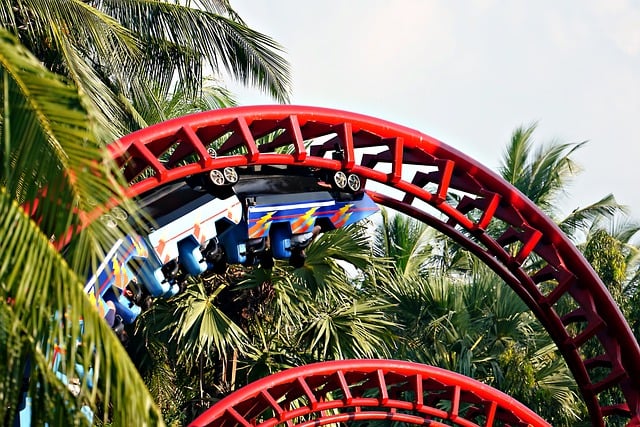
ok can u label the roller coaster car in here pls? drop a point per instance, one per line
(112, 282)
(284, 208)
(181, 239)
(184, 237)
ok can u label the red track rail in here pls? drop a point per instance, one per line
(359, 390)
(424, 178)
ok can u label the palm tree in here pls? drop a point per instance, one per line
(120, 52)
(602, 230)
(55, 171)
(473, 324)
(543, 175)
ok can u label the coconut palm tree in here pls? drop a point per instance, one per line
(54, 172)
(476, 325)
(602, 230)
(543, 175)
(119, 52)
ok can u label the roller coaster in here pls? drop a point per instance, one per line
(248, 185)
(207, 221)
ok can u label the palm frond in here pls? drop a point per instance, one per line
(581, 219)
(202, 327)
(541, 175)
(405, 240)
(347, 329)
(180, 35)
(221, 7)
(154, 106)
(336, 258)
(515, 159)
(54, 163)
(116, 50)
(551, 168)
(48, 305)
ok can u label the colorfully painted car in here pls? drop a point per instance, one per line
(180, 239)
(285, 208)
(245, 216)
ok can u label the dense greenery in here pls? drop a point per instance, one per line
(125, 56)
(48, 137)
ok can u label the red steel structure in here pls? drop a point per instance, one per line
(367, 390)
(422, 177)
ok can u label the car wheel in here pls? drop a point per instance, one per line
(217, 177)
(340, 180)
(119, 214)
(230, 175)
(353, 182)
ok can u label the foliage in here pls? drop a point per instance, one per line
(119, 53)
(156, 106)
(605, 255)
(474, 324)
(406, 242)
(54, 170)
(541, 174)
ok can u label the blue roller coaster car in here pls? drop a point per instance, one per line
(284, 208)
(244, 216)
(180, 239)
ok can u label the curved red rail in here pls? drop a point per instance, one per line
(422, 177)
(358, 390)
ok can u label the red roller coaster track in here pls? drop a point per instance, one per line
(359, 390)
(430, 181)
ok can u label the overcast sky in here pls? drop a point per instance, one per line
(470, 72)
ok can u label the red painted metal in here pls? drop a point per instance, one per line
(422, 177)
(358, 390)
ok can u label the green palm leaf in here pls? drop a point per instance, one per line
(336, 259)
(178, 39)
(405, 240)
(48, 139)
(541, 175)
(580, 220)
(345, 329)
(116, 50)
(203, 328)
(154, 106)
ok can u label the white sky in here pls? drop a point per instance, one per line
(469, 72)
